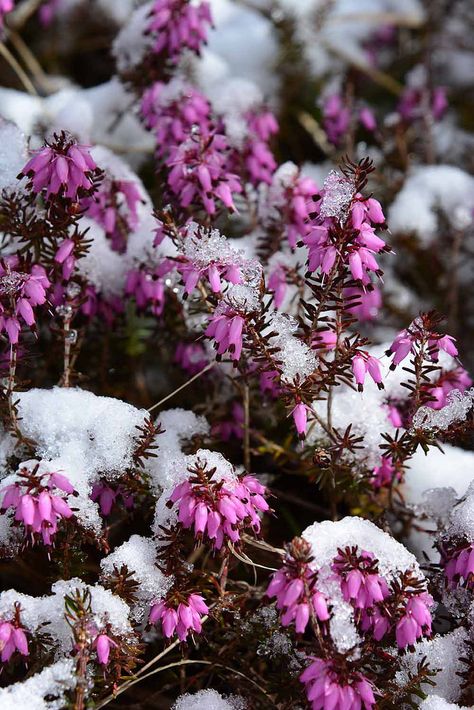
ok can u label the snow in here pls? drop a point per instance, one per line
(13, 153)
(427, 190)
(131, 44)
(325, 538)
(48, 611)
(42, 691)
(443, 653)
(208, 700)
(81, 435)
(139, 555)
(298, 360)
(459, 404)
(434, 702)
(103, 267)
(462, 517)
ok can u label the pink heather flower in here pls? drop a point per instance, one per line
(326, 690)
(412, 103)
(39, 509)
(226, 328)
(360, 582)
(268, 383)
(278, 284)
(256, 153)
(12, 638)
(376, 622)
(114, 206)
(171, 110)
(367, 119)
(232, 428)
(336, 118)
(300, 418)
(291, 197)
(324, 340)
(6, 6)
(147, 285)
(191, 357)
(177, 25)
(199, 175)
(453, 379)
(61, 168)
(358, 253)
(107, 497)
(459, 567)
(103, 644)
(180, 617)
(362, 363)
(367, 303)
(214, 272)
(65, 256)
(415, 622)
(384, 473)
(47, 11)
(219, 510)
(297, 596)
(407, 340)
(20, 292)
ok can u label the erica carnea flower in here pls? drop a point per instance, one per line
(12, 638)
(102, 645)
(171, 110)
(459, 566)
(22, 288)
(415, 622)
(360, 582)
(6, 6)
(37, 504)
(147, 285)
(177, 25)
(107, 497)
(62, 167)
(420, 335)
(295, 588)
(300, 418)
(226, 328)
(336, 118)
(328, 690)
(179, 615)
(219, 509)
(199, 174)
(363, 364)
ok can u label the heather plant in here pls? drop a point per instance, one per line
(236, 446)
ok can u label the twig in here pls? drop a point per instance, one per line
(21, 74)
(186, 384)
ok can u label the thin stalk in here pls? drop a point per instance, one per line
(186, 384)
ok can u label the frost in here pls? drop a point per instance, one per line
(43, 691)
(297, 358)
(428, 190)
(208, 700)
(456, 410)
(434, 702)
(337, 196)
(462, 517)
(205, 247)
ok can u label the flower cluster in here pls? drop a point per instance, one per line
(22, 288)
(327, 690)
(36, 506)
(177, 25)
(62, 167)
(219, 510)
(12, 638)
(180, 616)
(459, 566)
(416, 336)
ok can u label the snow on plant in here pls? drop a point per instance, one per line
(268, 516)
